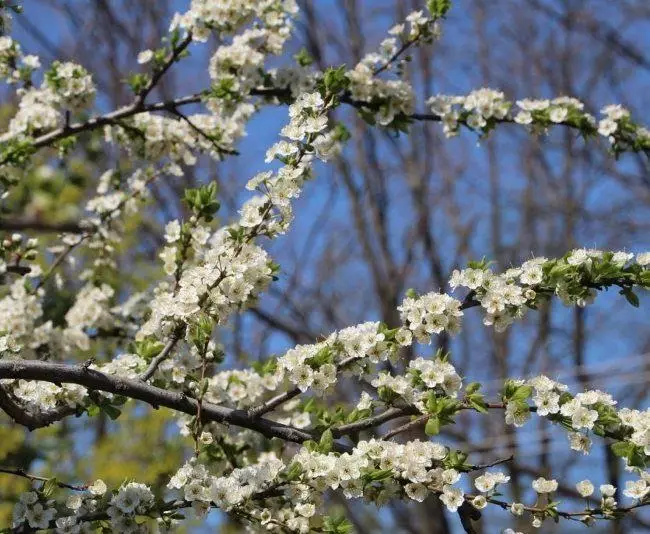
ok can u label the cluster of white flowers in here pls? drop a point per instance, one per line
(613, 114)
(131, 500)
(226, 278)
(505, 297)
(225, 492)
(34, 511)
(315, 366)
(473, 110)
(430, 374)
(639, 422)
(390, 98)
(580, 412)
(158, 137)
(239, 66)
(226, 16)
(37, 111)
(126, 365)
(415, 465)
(20, 312)
(618, 128)
(226, 270)
(607, 502)
(241, 388)
(481, 109)
(431, 314)
(557, 111)
(177, 140)
(14, 66)
(91, 310)
(46, 396)
(72, 85)
(393, 97)
(230, 271)
(114, 198)
(498, 294)
(67, 87)
(542, 485)
(638, 489)
(488, 482)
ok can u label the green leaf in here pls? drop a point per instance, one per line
(202, 201)
(148, 348)
(49, 487)
(111, 411)
(303, 58)
(477, 402)
(621, 448)
(294, 471)
(631, 297)
(432, 428)
(335, 80)
(326, 442)
(337, 525)
(376, 475)
(438, 8)
(522, 393)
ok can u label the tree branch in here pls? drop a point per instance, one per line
(160, 358)
(58, 373)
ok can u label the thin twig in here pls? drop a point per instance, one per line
(34, 478)
(164, 353)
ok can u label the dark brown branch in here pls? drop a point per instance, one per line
(34, 478)
(38, 225)
(23, 415)
(169, 61)
(58, 373)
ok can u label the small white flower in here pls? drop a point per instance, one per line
(98, 487)
(585, 488)
(145, 56)
(542, 485)
(607, 490)
(517, 508)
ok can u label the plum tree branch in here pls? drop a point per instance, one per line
(58, 373)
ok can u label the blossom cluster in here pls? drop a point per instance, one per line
(232, 269)
(482, 109)
(67, 87)
(36, 510)
(14, 66)
(157, 138)
(431, 314)
(390, 98)
(586, 412)
(315, 366)
(19, 316)
(574, 279)
(224, 17)
(422, 376)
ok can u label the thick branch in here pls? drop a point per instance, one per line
(24, 416)
(58, 373)
(38, 225)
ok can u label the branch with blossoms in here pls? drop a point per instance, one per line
(431, 387)
(280, 407)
